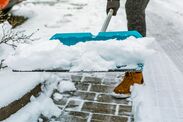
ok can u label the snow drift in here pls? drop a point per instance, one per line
(87, 56)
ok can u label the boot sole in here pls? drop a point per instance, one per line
(120, 96)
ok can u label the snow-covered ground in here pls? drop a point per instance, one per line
(159, 100)
(42, 105)
(165, 23)
(13, 86)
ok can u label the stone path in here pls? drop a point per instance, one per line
(92, 101)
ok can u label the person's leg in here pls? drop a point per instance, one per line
(135, 11)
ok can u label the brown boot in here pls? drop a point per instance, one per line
(123, 89)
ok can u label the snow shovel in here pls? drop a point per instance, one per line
(73, 38)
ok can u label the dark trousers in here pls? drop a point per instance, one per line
(135, 11)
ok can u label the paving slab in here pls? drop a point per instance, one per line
(107, 98)
(82, 87)
(125, 110)
(108, 118)
(85, 95)
(93, 80)
(101, 88)
(99, 108)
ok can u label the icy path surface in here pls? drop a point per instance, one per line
(165, 23)
(161, 99)
(166, 94)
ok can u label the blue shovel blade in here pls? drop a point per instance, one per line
(74, 38)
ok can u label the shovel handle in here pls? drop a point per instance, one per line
(107, 20)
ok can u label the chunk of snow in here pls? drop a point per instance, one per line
(66, 86)
(57, 96)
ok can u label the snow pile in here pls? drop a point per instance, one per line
(66, 86)
(101, 55)
(30, 113)
(14, 85)
(144, 106)
(62, 82)
(57, 96)
(160, 99)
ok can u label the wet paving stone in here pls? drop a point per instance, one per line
(98, 108)
(85, 95)
(67, 118)
(107, 98)
(73, 116)
(70, 118)
(82, 86)
(101, 88)
(61, 102)
(125, 110)
(109, 81)
(73, 105)
(108, 118)
(92, 80)
(79, 114)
